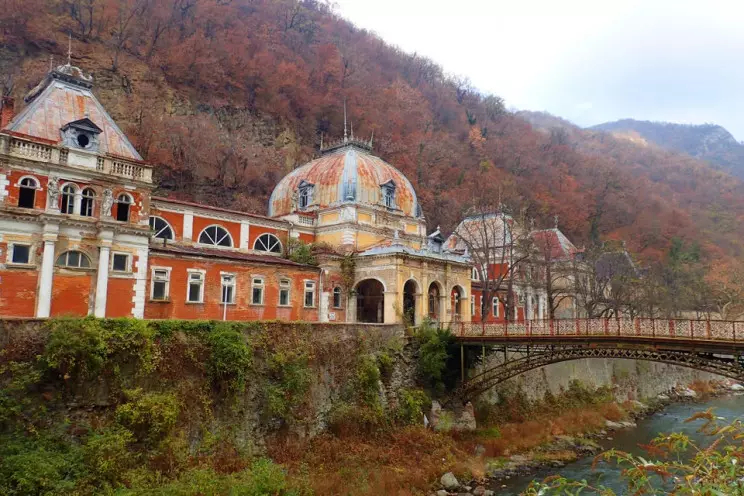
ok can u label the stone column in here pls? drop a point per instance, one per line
(389, 304)
(46, 274)
(105, 238)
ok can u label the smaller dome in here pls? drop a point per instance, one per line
(348, 174)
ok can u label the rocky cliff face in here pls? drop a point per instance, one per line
(707, 141)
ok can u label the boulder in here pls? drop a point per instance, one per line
(688, 393)
(736, 387)
(663, 397)
(441, 492)
(479, 491)
(613, 426)
(449, 482)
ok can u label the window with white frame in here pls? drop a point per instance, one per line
(68, 199)
(472, 306)
(257, 291)
(160, 228)
(337, 297)
(495, 306)
(305, 193)
(120, 262)
(216, 236)
(268, 242)
(195, 293)
(160, 289)
(27, 192)
(475, 275)
(73, 259)
(309, 293)
(19, 253)
(284, 287)
(228, 288)
(87, 200)
(482, 312)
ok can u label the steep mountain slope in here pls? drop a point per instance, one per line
(705, 141)
(225, 97)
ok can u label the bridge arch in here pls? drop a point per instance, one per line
(715, 363)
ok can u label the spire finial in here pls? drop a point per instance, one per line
(51, 62)
(555, 220)
(69, 49)
(345, 137)
(352, 129)
(371, 138)
(321, 142)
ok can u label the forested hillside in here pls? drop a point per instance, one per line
(704, 141)
(225, 97)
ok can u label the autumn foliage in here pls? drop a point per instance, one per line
(227, 96)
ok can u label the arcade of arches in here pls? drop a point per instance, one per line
(396, 289)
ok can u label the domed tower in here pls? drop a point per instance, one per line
(359, 204)
(355, 199)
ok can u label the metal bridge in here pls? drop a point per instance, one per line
(713, 346)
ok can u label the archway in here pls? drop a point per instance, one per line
(370, 305)
(456, 297)
(410, 288)
(434, 294)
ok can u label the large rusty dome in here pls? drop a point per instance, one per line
(345, 174)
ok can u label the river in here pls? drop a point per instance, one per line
(671, 419)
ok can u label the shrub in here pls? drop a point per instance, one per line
(411, 406)
(230, 357)
(434, 353)
(301, 252)
(348, 418)
(385, 364)
(289, 381)
(38, 466)
(366, 381)
(150, 416)
(106, 455)
(76, 347)
(15, 400)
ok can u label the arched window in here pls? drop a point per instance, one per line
(388, 194)
(68, 199)
(160, 228)
(87, 201)
(337, 297)
(27, 192)
(304, 198)
(216, 236)
(73, 259)
(124, 204)
(268, 242)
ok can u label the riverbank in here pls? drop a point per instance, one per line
(595, 431)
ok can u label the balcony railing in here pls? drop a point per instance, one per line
(695, 330)
(29, 150)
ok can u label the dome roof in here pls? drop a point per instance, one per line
(347, 174)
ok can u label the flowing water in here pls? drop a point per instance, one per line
(671, 419)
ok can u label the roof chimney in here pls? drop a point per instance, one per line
(7, 111)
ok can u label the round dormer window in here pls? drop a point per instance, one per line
(83, 140)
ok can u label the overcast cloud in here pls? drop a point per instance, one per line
(587, 61)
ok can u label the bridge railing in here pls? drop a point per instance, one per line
(702, 330)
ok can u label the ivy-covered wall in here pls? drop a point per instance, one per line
(151, 398)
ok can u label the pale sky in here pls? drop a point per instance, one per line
(589, 61)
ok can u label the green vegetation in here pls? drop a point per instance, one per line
(301, 252)
(676, 465)
(435, 353)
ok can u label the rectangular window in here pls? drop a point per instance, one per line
(495, 305)
(258, 291)
(120, 262)
(284, 286)
(196, 287)
(20, 254)
(160, 284)
(228, 288)
(472, 306)
(337, 297)
(309, 293)
(481, 306)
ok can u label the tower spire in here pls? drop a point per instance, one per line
(321, 142)
(371, 138)
(345, 136)
(352, 129)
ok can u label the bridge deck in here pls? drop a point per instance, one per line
(689, 334)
